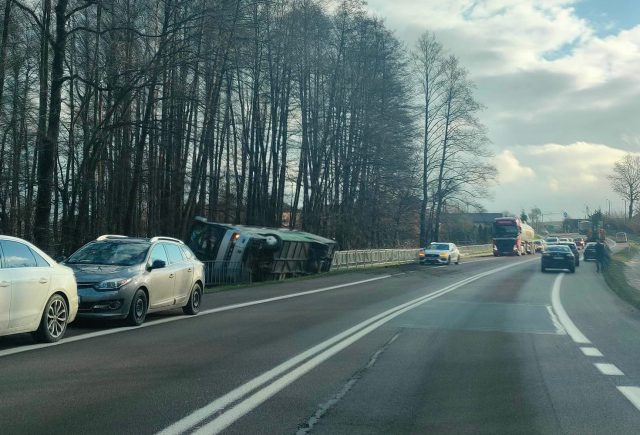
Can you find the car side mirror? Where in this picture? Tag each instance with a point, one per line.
(60, 258)
(158, 264)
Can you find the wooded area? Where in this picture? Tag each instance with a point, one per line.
(132, 117)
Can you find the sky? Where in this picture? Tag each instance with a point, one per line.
(560, 82)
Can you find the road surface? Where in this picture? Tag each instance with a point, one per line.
(490, 346)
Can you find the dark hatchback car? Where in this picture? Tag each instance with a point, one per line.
(590, 251)
(574, 250)
(558, 257)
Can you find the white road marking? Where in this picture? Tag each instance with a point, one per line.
(559, 329)
(318, 355)
(96, 334)
(573, 331)
(633, 394)
(609, 369)
(590, 351)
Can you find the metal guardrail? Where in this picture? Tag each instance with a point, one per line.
(476, 250)
(372, 257)
(224, 273)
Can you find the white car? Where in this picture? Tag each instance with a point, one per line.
(37, 294)
(551, 240)
(440, 253)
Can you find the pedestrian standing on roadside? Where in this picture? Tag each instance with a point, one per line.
(600, 253)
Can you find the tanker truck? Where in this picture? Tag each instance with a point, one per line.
(511, 236)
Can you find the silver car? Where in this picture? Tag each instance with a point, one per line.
(122, 277)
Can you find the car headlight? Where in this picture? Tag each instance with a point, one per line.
(444, 254)
(113, 284)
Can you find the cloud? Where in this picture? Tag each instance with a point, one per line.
(559, 177)
(510, 169)
(562, 98)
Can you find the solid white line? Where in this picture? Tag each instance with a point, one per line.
(590, 351)
(322, 352)
(559, 329)
(573, 331)
(609, 369)
(633, 394)
(90, 335)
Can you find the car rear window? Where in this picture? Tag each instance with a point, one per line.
(558, 248)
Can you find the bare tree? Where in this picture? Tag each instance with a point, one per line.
(625, 180)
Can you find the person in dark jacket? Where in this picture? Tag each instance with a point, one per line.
(600, 256)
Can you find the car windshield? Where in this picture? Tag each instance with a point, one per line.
(439, 246)
(505, 230)
(110, 253)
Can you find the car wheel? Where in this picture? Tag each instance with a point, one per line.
(578, 263)
(572, 270)
(448, 261)
(193, 305)
(458, 259)
(54, 320)
(138, 310)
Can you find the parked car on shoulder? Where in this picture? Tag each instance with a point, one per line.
(440, 253)
(589, 251)
(123, 277)
(558, 257)
(37, 294)
(621, 237)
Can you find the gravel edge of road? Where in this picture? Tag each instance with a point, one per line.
(616, 277)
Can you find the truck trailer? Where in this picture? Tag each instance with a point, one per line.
(234, 253)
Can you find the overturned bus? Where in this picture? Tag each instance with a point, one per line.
(237, 253)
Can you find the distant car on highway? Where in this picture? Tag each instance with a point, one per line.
(579, 241)
(589, 251)
(564, 239)
(37, 294)
(574, 249)
(551, 240)
(125, 278)
(558, 257)
(440, 253)
(621, 237)
(539, 245)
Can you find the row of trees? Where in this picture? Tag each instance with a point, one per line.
(133, 117)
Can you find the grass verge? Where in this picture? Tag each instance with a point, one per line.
(616, 278)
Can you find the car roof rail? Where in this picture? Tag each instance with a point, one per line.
(111, 236)
(168, 239)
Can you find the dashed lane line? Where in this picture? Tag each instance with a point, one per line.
(632, 394)
(590, 351)
(609, 369)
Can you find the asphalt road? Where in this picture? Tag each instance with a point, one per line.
(491, 346)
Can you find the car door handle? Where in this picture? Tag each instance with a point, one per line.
(172, 275)
(43, 280)
(5, 283)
